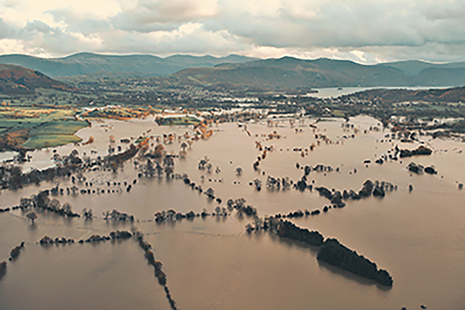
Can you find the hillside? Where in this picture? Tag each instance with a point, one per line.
(456, 94)
(99, 65)
(288, 72)
(240, 71)
(413, 67)
(20, 80)
(291, 72)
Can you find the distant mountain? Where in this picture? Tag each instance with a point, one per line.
(289, 72)
(455, 94)
(20, 80)
(241, 71)
(414, 67)
(93, 64)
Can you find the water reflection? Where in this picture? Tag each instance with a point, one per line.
(350, 276)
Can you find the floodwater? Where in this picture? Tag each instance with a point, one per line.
(418, 236)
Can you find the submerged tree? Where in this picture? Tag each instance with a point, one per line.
(184, 146)
(210, 193)
(66, 209)
(168, 161)
(159, 151)
(159, 170)
(258, 184)
(87, 213)
(32, 216)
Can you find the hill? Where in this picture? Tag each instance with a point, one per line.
(100, 65)
(414, 67)
(19, 80)
(289, 72)
(455, 94)
(241, 71)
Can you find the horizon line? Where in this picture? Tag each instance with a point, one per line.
(218, 57)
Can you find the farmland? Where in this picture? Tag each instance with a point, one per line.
(35, 128)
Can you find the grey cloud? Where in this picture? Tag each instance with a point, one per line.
(85, 24)
(37, 35)
(334, 26)
(434, 52)
(129, 23)
(355, 25)
(443, 12)
(200, 42)
(37, 26)
(155, 15)
(7, 31)
(382, 29)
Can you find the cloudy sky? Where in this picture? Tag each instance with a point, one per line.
(367, 31)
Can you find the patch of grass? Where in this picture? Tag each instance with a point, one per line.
(43, 141)
(13, 125)
(61, 127)
(58, 114)
(54, 133)
(33, 128)
(339, 113)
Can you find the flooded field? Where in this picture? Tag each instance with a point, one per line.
(417, 235)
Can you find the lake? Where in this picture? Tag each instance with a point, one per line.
(330, 92)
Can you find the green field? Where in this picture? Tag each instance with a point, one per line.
(35, 128)
(43, 141)
(12, 125)
(54, 133)
(339, 113)
(62, 127)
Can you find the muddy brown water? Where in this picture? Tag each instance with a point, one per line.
(417, 236)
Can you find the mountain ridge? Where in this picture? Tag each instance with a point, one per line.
(242, 71)
(291, 72)
(88, 63)
(454, 94)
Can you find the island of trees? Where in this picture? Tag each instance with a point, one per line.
(336, 254)
(330, 250)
